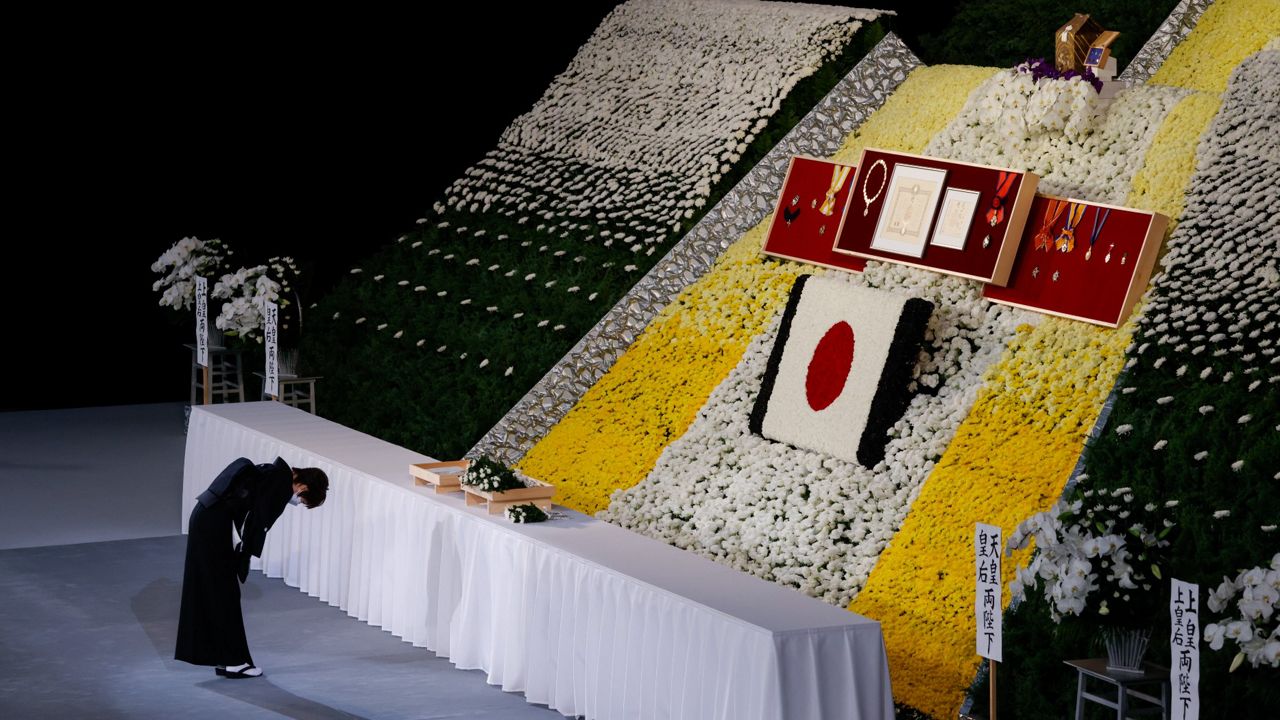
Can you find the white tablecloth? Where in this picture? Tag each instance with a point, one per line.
(580, 615)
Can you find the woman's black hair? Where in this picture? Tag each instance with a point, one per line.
(317, 486)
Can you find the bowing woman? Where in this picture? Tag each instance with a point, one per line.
(249, 498)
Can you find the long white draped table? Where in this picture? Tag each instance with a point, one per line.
(585, 617)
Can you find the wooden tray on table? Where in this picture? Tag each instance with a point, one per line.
(540, 494)
(445, 476)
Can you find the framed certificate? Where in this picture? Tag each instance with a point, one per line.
(899, 197)
(910, 203)
(955, 218)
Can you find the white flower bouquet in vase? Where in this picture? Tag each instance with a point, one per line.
(180, 265)
(243, 293)
(1099, 556)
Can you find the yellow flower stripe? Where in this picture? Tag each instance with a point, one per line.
(910, 118)
(1227, 33)
(1160, 184)
(612, 438)
(1010, 458)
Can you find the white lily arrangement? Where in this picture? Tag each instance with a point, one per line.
(244, 291)
(1255, 628)
(1099, 545)
(181, 264)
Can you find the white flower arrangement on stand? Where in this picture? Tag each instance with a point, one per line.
(1100, 545)
(187, 259)
(1255, 628)
(244, 291)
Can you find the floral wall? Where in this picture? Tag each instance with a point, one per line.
(1004, 400)
(660, 112)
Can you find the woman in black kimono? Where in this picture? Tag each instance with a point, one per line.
(250, 498)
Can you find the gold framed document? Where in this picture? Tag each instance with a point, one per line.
(911, 200)
(955, 218)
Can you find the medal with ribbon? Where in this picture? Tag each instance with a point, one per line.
(839, 174)
(995, 215)
(1044, 238)
(1099, 219)
(1066, 241)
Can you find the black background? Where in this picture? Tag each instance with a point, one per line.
(320, 135)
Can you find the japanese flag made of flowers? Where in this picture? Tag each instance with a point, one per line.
(838, 377)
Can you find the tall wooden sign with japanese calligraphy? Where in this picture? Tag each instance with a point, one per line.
(270, 320)
(1184, 650)
(202, 333)
(987, 550)
(202, 322)
(986, 608)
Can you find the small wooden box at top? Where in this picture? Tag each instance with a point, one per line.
(444, 476)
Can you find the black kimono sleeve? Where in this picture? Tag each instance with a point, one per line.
(269, 489)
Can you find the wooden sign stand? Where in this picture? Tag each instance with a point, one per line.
(992, 665)
(208, 391)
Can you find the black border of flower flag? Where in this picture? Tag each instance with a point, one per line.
(891, 397)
